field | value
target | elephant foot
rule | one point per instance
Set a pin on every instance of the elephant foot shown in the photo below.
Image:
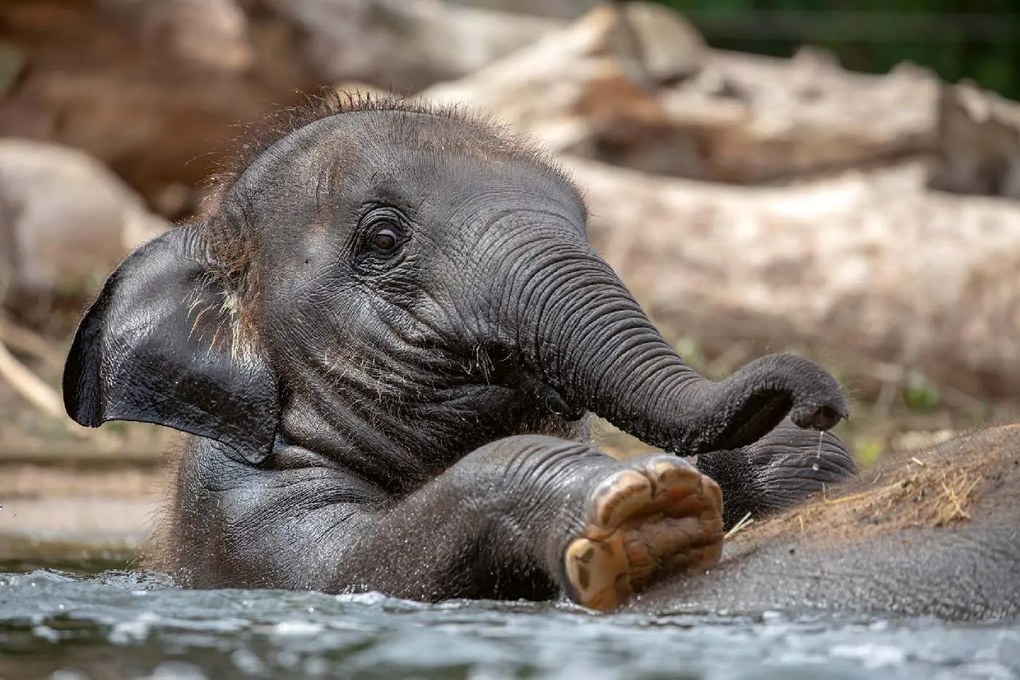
(659, 517)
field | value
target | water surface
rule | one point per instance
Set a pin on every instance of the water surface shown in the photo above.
(123, 624)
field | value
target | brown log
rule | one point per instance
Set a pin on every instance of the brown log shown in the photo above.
(565, 86)
(717, 116)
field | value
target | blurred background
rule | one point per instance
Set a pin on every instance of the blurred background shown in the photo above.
(835, 178)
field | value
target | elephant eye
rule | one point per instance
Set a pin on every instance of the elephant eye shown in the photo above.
(383, 232)
(385, 241)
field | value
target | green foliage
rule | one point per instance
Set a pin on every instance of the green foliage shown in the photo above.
(920, 393)
(868, 451)
(957, 39)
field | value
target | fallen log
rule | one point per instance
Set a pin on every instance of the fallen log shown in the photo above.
(866, 264)
(28, 385)
(978, 148)
(702, 114)
(28, 342)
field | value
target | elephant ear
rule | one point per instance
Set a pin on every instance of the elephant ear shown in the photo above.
(157, 347)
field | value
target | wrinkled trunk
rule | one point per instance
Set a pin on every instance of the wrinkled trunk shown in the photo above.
(582, 333)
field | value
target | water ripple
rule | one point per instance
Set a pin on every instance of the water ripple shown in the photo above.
(58, 625)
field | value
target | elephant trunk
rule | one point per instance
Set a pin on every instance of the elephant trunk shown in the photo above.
(582, 332)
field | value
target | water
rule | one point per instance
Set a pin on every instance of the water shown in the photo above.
(121, 624)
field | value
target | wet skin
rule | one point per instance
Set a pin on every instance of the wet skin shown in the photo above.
(929, 533)
(383, 336)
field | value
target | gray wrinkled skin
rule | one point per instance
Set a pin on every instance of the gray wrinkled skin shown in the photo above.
(382, 337)
(866, 556)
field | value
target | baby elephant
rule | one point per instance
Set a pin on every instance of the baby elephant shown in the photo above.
(383, 337)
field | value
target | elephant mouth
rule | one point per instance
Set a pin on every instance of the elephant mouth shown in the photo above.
(508, 372)
(550, 399)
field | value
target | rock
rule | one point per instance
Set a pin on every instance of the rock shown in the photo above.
(65, 223)
(978, 142)
(96, 80)
(404, 45)
(209, 33)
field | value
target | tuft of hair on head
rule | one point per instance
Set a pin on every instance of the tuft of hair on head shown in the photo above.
(257, 136)
(483, 135)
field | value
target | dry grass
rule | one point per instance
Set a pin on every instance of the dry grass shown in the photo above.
(937, 488)
(744, 522)
(958, 489)
(931, 494)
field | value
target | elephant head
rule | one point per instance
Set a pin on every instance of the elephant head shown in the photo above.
(392, 286)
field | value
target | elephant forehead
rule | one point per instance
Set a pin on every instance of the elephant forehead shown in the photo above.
(423, 155)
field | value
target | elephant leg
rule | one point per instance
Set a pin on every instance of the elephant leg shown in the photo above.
(525, 516)
(529, 516)
(778, 471)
